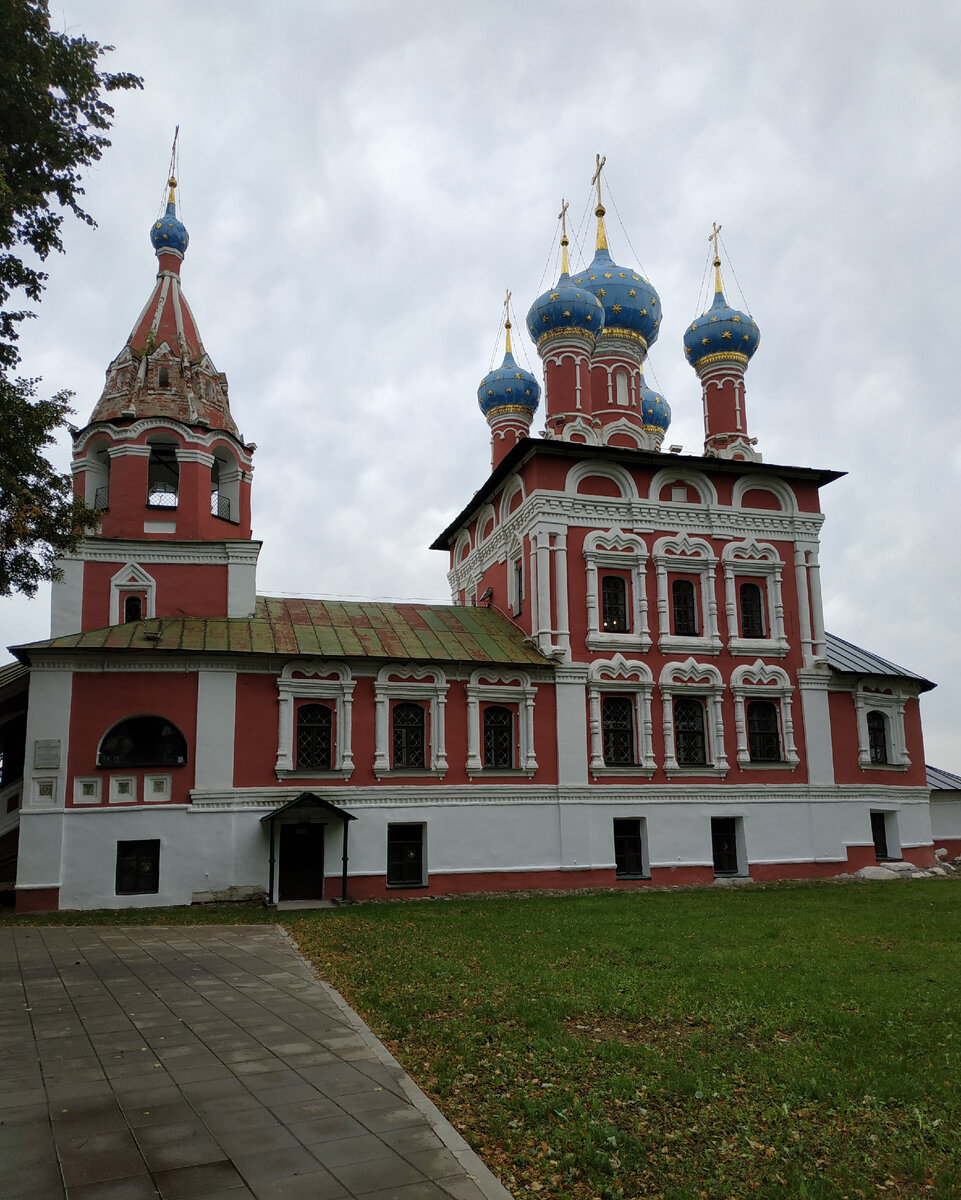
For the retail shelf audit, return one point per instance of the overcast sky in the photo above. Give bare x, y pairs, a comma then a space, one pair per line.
361, 181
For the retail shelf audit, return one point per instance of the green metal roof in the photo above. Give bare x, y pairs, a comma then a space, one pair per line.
320, 629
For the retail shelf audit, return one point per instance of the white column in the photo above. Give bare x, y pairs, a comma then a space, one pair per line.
804, 607
560, 588
815, 708
543, 552
381, 729
817, 609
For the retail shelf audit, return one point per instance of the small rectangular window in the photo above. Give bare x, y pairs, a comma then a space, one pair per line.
683, 597
752, 610
138, 868
405, 856
614, 618
628, 848
724, 845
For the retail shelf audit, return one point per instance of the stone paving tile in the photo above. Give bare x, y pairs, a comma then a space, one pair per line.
155, 1064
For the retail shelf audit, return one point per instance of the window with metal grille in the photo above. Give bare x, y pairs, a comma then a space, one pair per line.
405, 856
614, 617
408, 732
763, 732
617, 725
498, 736
690, 741
138, 868
752, 611
143, 742
878, 736
315, 726
628, 848
683, 598
163, 475
132, 608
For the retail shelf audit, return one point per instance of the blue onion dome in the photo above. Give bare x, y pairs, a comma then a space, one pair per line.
655, 410
721, 331
631, 305
565, 308
508, 387
169, 233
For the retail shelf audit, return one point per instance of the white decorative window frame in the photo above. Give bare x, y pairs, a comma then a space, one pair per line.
132, 578
890, 702
332, 681
683, 555
621, 676
700, 681
117, 795
758, 681
511, 489
432, 688
508, 688
154, 795
707, 493
90, 781
618, 551
515, 588
760, 561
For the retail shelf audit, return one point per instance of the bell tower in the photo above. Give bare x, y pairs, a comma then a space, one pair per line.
163, 462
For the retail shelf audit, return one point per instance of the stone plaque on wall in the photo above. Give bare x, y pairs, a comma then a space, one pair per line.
46, 754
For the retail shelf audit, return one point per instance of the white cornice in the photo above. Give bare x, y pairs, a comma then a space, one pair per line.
637, 515
93, 549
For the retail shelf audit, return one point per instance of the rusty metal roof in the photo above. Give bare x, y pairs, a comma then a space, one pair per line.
320, 629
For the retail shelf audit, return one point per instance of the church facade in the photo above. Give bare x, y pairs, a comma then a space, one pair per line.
632, 685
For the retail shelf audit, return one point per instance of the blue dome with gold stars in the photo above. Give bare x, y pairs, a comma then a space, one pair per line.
655, 410
567, 306
630, 303
169, 233
508, 386
722, 330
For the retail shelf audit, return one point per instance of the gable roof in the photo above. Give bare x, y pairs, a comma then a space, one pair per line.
319, 629
942, 781
848, 659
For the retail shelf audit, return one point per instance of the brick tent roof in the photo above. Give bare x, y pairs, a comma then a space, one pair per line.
320, 628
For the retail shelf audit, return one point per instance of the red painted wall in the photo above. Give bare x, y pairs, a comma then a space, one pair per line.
99, 701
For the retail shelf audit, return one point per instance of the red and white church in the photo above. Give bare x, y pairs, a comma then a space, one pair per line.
631, 686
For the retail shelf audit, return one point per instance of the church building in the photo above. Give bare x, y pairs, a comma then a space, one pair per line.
632, 684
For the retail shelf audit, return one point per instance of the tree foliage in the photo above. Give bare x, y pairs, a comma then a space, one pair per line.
39, 516
53, 123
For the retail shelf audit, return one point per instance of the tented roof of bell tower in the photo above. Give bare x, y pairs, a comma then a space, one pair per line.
163, 370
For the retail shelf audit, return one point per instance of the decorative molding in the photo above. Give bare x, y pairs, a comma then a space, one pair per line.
762, 681
320, 680
686, 555
702, 681
757, 560
512, 688
634, 678
414, 683
132, 578
624, 552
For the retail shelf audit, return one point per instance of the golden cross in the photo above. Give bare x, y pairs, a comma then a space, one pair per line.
172, 174
712, 237
562, 217
507, 321
596, 177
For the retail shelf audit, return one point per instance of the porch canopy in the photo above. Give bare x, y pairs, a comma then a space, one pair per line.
309, 807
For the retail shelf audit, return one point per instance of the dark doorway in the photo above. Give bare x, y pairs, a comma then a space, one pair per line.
301, 875
724, 845
880, 834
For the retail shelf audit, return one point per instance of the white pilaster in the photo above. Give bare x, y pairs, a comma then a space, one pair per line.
216, 709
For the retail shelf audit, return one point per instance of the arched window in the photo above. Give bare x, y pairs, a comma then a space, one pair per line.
690, 741
620, 388
163, 475
409, 729
877, 737
143, 742
683, 598
752, 611
498, 736
614, 617
133, 608
617, 723
315, 727
763, 733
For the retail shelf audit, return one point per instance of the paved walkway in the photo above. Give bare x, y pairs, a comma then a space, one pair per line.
207, 1062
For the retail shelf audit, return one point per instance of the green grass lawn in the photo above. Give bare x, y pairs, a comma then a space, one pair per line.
800, 1040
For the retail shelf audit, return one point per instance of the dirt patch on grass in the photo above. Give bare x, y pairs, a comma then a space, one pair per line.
633, 1033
